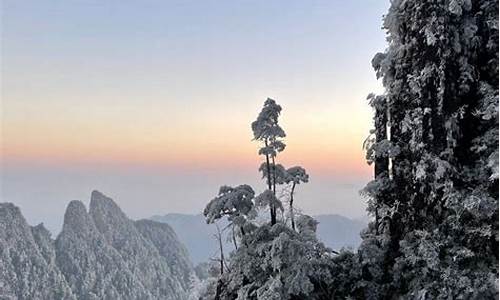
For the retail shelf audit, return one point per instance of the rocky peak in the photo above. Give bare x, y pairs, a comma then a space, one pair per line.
44, 242
76, 216
169, 247
110, 220
101, 204
9, 213
92, 267
118, 230
27, 270
99, 254
140, 253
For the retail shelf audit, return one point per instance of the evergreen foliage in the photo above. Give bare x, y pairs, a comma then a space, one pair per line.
434, 196
435, 192
273, 261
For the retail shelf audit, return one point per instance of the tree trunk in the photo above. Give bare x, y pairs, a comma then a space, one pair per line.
242, 230
381, 118
292, 218
270, 186
274, 175
274, 183
218, 290
234, 238
381, 167
219, 237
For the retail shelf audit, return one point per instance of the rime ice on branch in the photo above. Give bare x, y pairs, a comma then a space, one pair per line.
267, 130
273, 260
435, 192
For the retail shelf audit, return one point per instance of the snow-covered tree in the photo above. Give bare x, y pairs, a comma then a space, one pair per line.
232, 202
435, 192
204, 284
278, 173
267, 130
273, 260
280, 263
295, 176
236, 203
292, 177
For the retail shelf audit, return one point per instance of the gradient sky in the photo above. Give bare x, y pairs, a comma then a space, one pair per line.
151, 101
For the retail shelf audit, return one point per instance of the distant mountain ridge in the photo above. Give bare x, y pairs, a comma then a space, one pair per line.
335, 231
99, 254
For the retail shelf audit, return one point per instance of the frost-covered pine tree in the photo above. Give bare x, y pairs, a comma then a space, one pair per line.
273, 260
295, 175
235, 203
290, 177
435, 192
267, 130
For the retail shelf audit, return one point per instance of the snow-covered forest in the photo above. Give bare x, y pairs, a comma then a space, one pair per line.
434, 197
433, 201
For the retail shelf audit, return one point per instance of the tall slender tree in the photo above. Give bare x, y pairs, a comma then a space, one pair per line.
295, 175
267, 130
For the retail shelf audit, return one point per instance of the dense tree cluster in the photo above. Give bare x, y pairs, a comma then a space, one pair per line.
273, 259
435, 192
434, 196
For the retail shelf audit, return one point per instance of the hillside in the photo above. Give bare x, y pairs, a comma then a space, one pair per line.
99, 254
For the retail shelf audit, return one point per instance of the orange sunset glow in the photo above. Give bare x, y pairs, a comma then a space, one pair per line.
324, 143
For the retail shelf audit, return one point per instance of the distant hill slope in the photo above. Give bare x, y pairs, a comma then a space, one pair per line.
195, 234
334, 230
99, 254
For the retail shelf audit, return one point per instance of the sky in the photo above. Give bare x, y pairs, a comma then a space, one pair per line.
151, 102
